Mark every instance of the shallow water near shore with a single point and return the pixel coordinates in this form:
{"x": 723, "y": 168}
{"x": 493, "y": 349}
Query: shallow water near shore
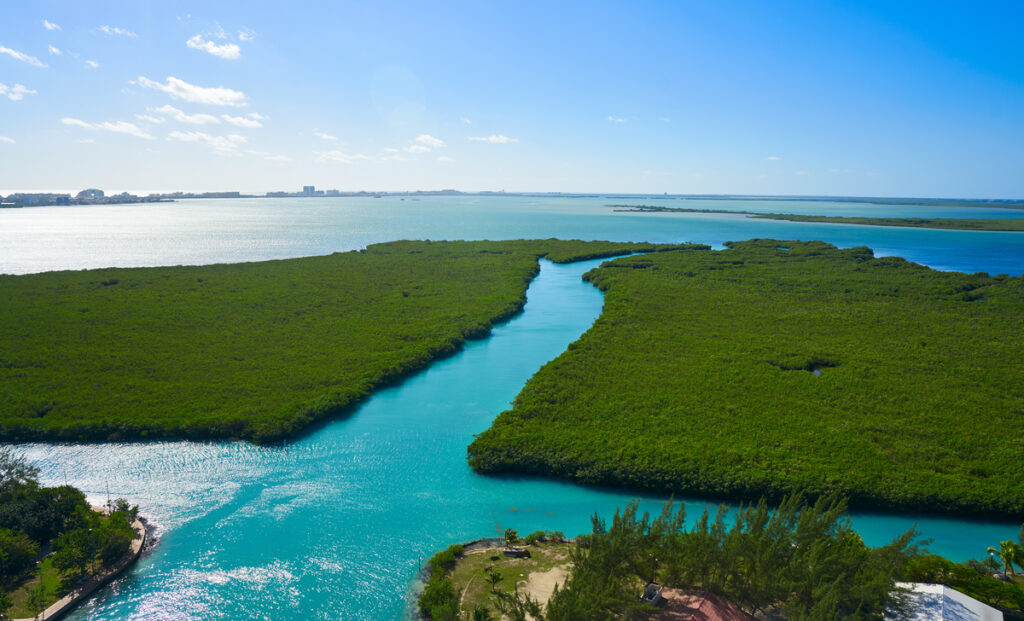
{"x": 334, "y": 524}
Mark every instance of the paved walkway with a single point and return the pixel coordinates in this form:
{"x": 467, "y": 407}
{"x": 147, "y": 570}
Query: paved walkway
{"x": 85, "y": 589}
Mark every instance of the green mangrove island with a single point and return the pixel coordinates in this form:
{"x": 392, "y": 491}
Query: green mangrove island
{"x": 783, "y": 367}
{"x": 959, "y": 224}
{"x": 251, "y": 350}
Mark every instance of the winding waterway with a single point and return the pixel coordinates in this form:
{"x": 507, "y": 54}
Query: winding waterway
{"x": 333, "y": 525}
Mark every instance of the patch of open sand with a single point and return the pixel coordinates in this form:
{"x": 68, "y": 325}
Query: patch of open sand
{"x": 542, "y": 584}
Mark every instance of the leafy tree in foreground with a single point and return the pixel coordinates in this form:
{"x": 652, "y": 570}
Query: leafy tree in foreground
{"x": 1009, "y": 552}
{"x": 801, "y": 559}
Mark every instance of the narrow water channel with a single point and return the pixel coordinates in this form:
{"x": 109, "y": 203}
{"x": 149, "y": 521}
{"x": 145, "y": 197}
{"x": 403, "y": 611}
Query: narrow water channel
{"x": 334, "y": 525}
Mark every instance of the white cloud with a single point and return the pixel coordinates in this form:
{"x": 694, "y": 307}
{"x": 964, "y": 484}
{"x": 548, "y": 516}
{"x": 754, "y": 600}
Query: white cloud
{"x": 150, "y": 119}
{"x": 117, "y": 127}
{"x": 113, "y": 30}
{"x": 773, "y": 158}
{"x": 179, "y": 89}
{"x": 324, "y": 136}
{"x": 494, "y": 139}
{"x": 25, "y": 58}
{"x": 6, "y": 139}
{"x": 258, "y": 117}
{"x": 465, "y": 120}
{"x": 417, "y": 148}
{"x": 91, "y": 64}
{"x": 430, "y": 141}
{"x": 339, "y": 157}
{"x": 15, "y": 93}
{"x": 229, "y": 51}
{"x": 181, "y": 117}
{"x": 50, "y": 25}
{"x": 615, "y": 119}
{"x": 246, "y": 35}
{"x": 54, "y": 50}
{"x": 222, "y": 145}
{"x": 241, "y": 121}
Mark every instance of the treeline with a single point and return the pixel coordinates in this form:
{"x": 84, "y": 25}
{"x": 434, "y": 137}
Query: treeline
{"x": 778, "y": 367}
{"x": 798, "y": 561}
{"x": 34, "y": 519}
{"x": 251, "y": 350}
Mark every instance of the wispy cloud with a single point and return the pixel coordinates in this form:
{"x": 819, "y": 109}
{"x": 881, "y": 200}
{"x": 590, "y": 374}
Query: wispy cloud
{"x": 182, "y": 117}
{"x": 54, "y": 50}
{"x": 16, "y": 92}
{"x": 465, "y": 120}
{"x": 616, "y": 119}
{"x": 430, "y": 141}
{"x": 773, "y": 158}
{"x": 417, "y": 148}
{"x": 150, "y": 119}
{"x": 324, "y": 136}
{"x": 229, "y": 51}
{"x": 179, "y": 89}
{"x": 339, "y": 157}
{"x": 91, "y": 64}
{"x": 494, "y": 139}
{"x": 50, "y": 25}
{"x": 25, "y": 58}
{"x": 270, "y": 157}
{"x": 115, "y": 31}
{"x": 246, "y": 35}
{"x": 7, "y": 140}
{"x": 222, "y": 145}
{"x": 241, "y": 121}
{"x": 117, "y": 127}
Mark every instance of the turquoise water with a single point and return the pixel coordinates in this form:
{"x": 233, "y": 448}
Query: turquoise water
{"x": 211, "y": 231}
{"x": 333, "y": 525}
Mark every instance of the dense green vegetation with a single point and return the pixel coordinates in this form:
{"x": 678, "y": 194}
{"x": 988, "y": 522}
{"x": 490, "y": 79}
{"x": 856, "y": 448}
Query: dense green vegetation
{"x": 35, "y": 519}
{"x": 974, "y": 578}
{"x": 253, "y": 350}
{"x": 962, "y": 224}
{"x": 701, "y": 377}
{"x": 439, "y": 600}
{"x": 798, "y": 561}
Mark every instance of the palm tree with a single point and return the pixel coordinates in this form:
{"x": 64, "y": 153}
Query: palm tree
{"x": 1009, "y": 552}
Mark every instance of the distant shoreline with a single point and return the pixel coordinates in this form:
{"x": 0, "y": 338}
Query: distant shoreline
{"x": 45, "y": 199}
{"x": 956, "y": 224}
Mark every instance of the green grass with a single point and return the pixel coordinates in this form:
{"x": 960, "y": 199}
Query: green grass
{"x": 961, "y": 224}
{"x": 469, "y": 578}
{"x": 697, "y": 379}
{"x": 251, "y": 350}
{"x": 53, "y": 589}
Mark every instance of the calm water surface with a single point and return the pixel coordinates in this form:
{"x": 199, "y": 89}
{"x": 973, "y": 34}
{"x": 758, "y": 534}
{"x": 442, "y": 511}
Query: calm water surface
{"x": 333, "y": 525}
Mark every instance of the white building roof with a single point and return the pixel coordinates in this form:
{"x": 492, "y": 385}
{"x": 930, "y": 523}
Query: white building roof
{"x": 937, "y": 602}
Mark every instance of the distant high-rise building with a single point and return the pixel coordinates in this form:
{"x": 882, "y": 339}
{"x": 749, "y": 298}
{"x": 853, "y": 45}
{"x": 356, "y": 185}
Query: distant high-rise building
{"x": 309, "y": 190}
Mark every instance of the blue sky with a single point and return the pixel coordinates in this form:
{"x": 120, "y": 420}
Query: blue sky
{"x": 853, "y": 98}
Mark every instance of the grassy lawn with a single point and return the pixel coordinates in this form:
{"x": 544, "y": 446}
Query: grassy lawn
{"x": 471, "y": 572}
{"x": 53, "y": 589}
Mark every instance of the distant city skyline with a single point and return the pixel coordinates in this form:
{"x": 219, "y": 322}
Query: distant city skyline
{"x": 825, "y": 98}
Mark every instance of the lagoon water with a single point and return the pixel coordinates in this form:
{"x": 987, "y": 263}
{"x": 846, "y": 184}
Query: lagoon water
{"x": 333, "y": 525}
